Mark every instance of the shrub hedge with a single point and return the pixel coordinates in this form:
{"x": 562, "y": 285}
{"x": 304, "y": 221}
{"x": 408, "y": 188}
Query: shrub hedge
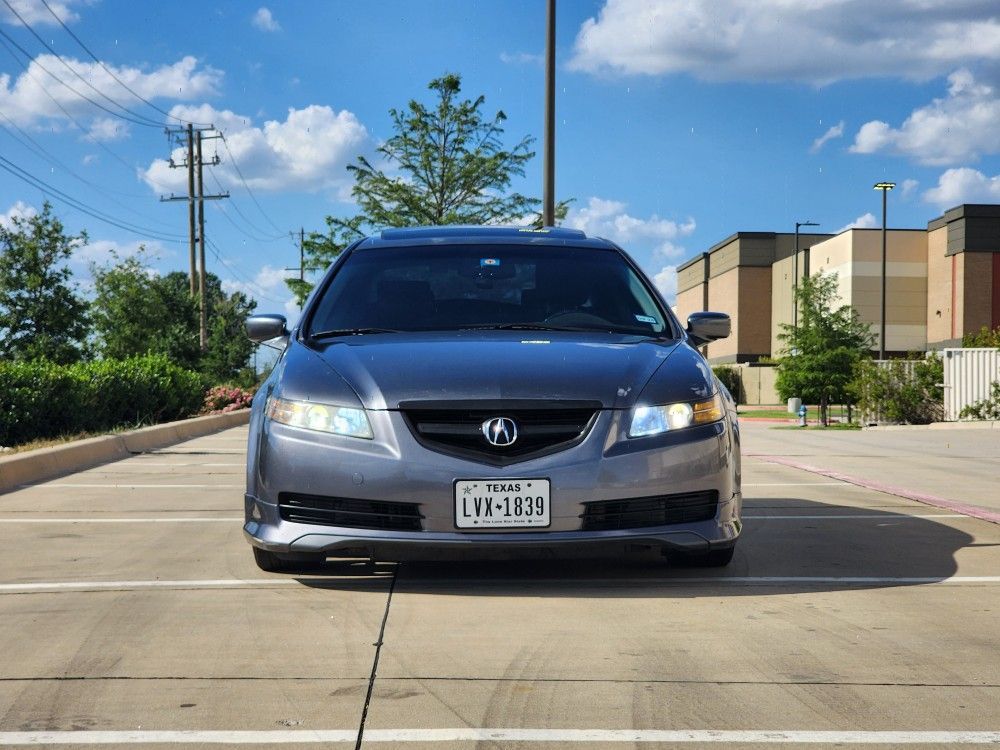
{"x": 40, "y": 399}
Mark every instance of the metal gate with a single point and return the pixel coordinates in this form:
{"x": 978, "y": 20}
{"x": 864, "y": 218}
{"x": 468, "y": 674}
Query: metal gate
{"x": 968, "y": 375}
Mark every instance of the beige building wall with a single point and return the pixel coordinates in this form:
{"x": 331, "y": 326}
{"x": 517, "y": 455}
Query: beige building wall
{"x": 783, "y": 281}
{"x": 689, "y": 301}
{"x": 941, "y": 327}
{"x": 977, "y": 292}
{"x": 723, "y": 296}
{"x": 754, "y": 312}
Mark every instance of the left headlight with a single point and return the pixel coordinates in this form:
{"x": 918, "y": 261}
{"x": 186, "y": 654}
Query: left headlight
{"x": 652, "y": 420}
{"x": 339, "y": 420}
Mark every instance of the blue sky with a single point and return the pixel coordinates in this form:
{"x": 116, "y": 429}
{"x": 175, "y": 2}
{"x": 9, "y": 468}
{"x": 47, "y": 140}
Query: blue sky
{"x": 679, "y": 122}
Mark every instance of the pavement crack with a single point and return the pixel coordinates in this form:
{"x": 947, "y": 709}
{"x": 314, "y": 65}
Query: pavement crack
{"x": 378, "y": 652}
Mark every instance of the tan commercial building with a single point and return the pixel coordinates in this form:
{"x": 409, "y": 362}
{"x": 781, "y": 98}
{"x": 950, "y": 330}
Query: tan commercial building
{"x": 941, "y": 282}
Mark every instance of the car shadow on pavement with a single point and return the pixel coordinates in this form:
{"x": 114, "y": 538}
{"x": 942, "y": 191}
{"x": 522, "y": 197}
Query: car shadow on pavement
{"x": 788, "y": 544}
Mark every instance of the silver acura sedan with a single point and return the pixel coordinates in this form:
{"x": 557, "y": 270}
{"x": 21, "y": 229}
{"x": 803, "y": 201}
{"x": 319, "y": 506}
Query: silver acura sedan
{"x": 484, "y": 391}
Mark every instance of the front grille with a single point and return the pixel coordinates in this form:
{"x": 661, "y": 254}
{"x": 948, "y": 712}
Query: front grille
{"x": 343, "y": 511}
{"x": 640, "y": 512}
{"x": 542, "y": 428}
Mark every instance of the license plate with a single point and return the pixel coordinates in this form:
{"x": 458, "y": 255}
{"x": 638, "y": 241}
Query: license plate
{"x": 501, "y": 503}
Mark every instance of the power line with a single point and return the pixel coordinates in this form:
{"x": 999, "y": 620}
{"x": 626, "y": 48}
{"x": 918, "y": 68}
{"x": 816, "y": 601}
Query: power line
{"x": 144, "y": 122}
{"x": 264, "y": 236}
{"x": 239, "y": 172}
{"x": 66, "y": 113}
{"x": 108, "y": 70}
{"x": 46, "y": 188}
{"x": 234, "y": 269}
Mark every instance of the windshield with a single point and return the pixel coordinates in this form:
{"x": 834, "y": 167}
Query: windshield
{"x": 455, "y": 287}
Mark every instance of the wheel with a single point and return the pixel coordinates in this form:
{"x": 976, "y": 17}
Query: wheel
{"x": 274, "y": 563}
{"x": 714, "y": 558}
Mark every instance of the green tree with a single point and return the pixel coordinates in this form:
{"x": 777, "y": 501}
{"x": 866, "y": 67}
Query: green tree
{"x": 137, "y": 311}
{"x": 821, "y": 353}
{"x": 41, "y": 315}
{"x": 444, "y": 164}
{"x": 984, "y": 338}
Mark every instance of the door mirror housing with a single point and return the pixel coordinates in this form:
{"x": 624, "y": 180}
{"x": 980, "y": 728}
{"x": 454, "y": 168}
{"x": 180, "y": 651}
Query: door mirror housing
{"x": 261, "y": 328}
{"x": 708, "y": 326}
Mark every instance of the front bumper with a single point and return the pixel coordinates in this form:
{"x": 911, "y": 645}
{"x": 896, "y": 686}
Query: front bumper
{"x": 602, "y": 467}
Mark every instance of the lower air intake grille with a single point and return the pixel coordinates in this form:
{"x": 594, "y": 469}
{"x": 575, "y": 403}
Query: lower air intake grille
{"x": 640, "y": 512}
{"x": 348, "y": 512}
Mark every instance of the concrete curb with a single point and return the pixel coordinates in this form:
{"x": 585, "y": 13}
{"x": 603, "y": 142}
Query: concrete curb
{"x": 47, "y": 463}
{"x": 978, "y": 425}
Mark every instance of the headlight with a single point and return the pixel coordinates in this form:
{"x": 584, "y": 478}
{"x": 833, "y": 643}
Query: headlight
{"x": 339, "y": 420}
{"x": 652, "y": 420}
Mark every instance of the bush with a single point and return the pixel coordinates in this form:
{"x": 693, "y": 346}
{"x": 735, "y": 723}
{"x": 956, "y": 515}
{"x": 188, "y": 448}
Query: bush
{"x": 983, "y": 338}
{"x": 988, "y": 408}
{"x": 905, "y": 391}
{"x": 730, "y": 378}
{"x": 224, "y": 398}
{"x": 40, "y": 399}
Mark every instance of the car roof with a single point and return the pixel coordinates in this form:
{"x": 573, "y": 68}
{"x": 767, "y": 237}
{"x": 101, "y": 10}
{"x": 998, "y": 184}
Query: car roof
{"x": 461, "y": 234}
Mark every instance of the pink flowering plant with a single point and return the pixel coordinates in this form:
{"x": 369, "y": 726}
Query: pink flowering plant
{"x": 225, "y": 398}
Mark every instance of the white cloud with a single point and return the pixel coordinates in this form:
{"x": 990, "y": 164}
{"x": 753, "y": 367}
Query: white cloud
{"x": 103, "y": 251}
{"x": 28, "y": 99}
{"x": 606, "y": 218}
{"x": 268, "y": 288}
{"x": 818, "y": 41}
{"x": 865, "y": 221}
{"x": 958, "y": 128}
{"x": 309, "y": 150}
{"x": 264, "y": 21}
{"x": 20, "y": 210}
{"x": 908, "y": 187}
{"x": 33, "y": 12}
{"x": 666, "y": 282}
{"x": 836, "y": 131}
{"x": 964, "y": 185}
{"x": 521, "y": 58}
{"x": 107, "y": 129}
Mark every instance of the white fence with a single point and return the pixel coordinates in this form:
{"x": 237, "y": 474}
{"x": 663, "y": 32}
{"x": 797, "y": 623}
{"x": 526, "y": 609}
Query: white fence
{"x": 968, "y": 375}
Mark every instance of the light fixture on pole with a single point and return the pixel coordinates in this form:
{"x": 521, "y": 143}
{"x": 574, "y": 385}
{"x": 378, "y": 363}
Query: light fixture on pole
{"x": 885, "y": 187}
{"x": 795, "y": 280}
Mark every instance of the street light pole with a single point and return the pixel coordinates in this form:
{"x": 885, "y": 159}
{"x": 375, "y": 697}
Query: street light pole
{"x": 795, "y": 280}
{"x": 549, "y": 159}
{"x": 885, "y": 187}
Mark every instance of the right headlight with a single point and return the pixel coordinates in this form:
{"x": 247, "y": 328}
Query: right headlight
{"x": 338, "y": 420}
{"x": 653, "y": 420}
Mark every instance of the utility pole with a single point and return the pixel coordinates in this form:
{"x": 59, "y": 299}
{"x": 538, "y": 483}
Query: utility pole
{"x": 196, "y": 233}
{"x": 885, "y": 187}
{"x": 549, "y": 165}
{"x": 302, "y": 268}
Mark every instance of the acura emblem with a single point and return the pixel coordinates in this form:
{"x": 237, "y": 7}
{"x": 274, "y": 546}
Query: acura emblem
{"x": 500, "y": 431}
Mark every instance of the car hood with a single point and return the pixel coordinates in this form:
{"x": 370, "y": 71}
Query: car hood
{"x": 387, "y": 369}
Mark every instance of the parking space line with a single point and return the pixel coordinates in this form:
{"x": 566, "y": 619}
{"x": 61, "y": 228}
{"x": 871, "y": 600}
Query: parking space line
{"x": 858, "y": 516}
{"x": 222, "y": 583}
{"x": 471, "y": 734}
{"x": 795, "y": 484}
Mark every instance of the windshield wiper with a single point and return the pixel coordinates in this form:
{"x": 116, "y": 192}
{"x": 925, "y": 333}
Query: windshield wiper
{"x": 334, "y": 332}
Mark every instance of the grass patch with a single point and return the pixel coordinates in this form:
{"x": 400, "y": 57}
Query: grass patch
{"x": 831, "y": 426}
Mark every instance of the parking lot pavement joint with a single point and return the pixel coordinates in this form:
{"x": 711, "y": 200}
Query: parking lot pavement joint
{"x": 378, "y": 652}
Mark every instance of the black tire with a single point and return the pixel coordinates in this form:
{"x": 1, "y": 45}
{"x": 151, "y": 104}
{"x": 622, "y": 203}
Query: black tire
{"x": 715, "y": 558}
{"x": 274, "y": 563}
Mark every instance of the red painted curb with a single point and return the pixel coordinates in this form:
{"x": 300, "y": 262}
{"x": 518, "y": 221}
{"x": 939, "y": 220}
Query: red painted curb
{"x": 920, "y": 497}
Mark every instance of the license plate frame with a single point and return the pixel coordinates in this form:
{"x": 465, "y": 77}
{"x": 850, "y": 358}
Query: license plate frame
{"x": 470, "y": 517}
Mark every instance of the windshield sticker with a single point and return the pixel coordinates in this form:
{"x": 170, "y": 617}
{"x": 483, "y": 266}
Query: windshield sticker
{"x": 646, "y": 319}
{"x": 484, "y": 262}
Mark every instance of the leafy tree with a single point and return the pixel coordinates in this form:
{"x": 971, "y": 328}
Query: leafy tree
{"x": 136, "y": 312}
{"x": 822, "y": 352}
{"x": 41, "y": 315}
{"x": 984, "y": 338}
{"x": 907, "y": 391}
{"x": 444, "y": 164}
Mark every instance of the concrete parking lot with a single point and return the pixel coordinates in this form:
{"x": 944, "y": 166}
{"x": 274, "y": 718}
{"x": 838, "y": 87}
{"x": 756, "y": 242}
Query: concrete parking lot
{"x": 131, "y": 614}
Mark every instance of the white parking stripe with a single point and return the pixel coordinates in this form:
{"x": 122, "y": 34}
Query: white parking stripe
{"x": 796, "y": 484}
{"x": 843, "y": 516}
{"x": 465, "y": 734}
{"x": 206, "y": 583}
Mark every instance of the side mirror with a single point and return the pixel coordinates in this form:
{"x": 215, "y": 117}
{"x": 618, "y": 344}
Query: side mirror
{"x": 708, "y": 326}
{"x": 261, "y": 328}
